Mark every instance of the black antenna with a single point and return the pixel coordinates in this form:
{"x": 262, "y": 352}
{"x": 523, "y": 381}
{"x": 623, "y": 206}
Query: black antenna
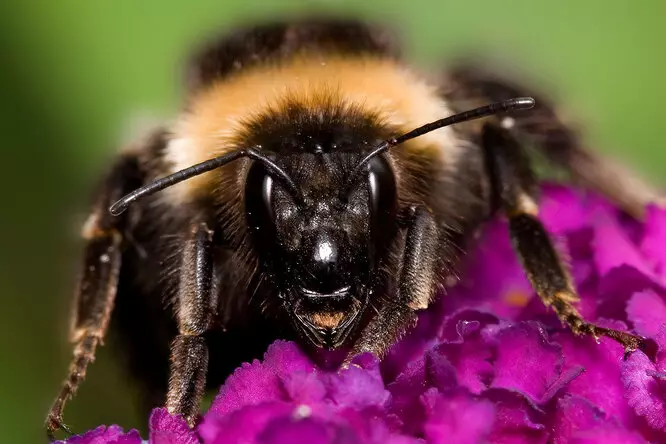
{"x": 203, "y": 167}
{"x": 516, "y": 104}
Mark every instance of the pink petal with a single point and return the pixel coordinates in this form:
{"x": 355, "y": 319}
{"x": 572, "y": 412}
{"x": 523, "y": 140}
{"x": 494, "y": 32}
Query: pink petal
{"x": 105, "y": 435}
{"x": 572, "y": 415}
{"x": 168, "y": 429}
{"x": 458, "y": 418}
{"x": 517, "y": 421}
{"x": 653, "y": 244}
{"x": 647, "y": 311}
{"x": 645, "y": 389}
{"x": 262, "y": 381}
{"x": 613, "y": 248}
{"x": 600, "y": 383}
{"x": 525, "y": 360}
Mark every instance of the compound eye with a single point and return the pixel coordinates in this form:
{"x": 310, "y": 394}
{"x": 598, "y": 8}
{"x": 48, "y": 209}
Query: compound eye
{"x": 259, "y": 204}
{"x": 382, "y": 189}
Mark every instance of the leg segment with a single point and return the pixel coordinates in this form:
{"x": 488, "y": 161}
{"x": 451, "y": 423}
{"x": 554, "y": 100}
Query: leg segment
{"x": 516, "y": 190}
{"x": 97, "y": 285}
{"x": 471, "y": 84}
{"x": 419, "y": 274}
{"x": 197, "y": 305}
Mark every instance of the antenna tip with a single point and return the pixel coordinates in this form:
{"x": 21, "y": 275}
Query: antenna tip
{"x": 522, "y": 103}
{"x": 118, "y": 208}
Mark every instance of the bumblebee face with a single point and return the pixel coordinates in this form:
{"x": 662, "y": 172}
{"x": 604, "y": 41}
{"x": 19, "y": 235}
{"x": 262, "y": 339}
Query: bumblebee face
{"x": 322, "y": 251}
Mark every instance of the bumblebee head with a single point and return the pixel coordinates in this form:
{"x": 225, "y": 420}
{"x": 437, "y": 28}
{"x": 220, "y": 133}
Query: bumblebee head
{"x": 320, "y": 246}
{"x": 320, "y": 205}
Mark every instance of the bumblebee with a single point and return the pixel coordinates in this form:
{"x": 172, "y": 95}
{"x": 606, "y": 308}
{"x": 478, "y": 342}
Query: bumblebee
{"x": 316, "y": 187}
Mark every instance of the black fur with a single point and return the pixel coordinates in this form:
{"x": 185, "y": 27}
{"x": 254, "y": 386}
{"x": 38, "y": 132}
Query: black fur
{"x": 272, "y": 42}
{"x": 327, "y": 126}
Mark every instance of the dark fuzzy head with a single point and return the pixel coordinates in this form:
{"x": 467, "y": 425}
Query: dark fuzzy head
{"x": 322, "y": 254}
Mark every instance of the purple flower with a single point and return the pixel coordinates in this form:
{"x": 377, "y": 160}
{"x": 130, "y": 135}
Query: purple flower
{"x": 486, "y": 363}
{"x": 106, "y": 435}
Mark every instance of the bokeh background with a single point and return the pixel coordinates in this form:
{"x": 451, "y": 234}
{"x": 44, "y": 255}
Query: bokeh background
{"x": 76, "y": 76}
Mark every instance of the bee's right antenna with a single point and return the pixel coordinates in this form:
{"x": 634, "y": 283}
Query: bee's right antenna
{"x": 519, "y": 103}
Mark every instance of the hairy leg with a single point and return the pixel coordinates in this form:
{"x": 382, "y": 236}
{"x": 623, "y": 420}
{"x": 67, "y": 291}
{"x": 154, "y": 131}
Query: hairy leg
{"x": 419, "y": 275}
{"x": 516, "y": 190}
{"x": 196, "y": 309}
{"x": 96, "y": 290}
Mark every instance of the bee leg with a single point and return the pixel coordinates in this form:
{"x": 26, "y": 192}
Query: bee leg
{"x": 558, "y": 140}
{"x": 419, "y": 271}
{"x": 196, "y": 307}
{"x": 516, "y": 188}
{"x": 96, "y": 290}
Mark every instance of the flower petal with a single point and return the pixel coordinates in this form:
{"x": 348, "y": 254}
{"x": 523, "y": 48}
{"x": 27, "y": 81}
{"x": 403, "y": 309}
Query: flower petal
{"x": 306, "y": 431}
{"x": 525, "y": 360}
{"x": 469, "y": 353}
{"x": 457, "y": 418}
{"x": 517, "y": 420}
{"x": 600, "y": 383}
{"x": 608, "y": 435}
{"x": 260, "y": 382}
{"x": 357, "y": 387}
{"x": 645, "y": 389}
{"x": 112, "y": 434}
{"x": 494, "y": 280}
{"x": 654, "y": 239}
{"x": 647, "y": 311}
{"x": 616, "y": 287}
{"x": 565, "y": 210}
{"x": 168, "y": 429}
{"x": 613, "y": 248}
{"x": 573, "y": 414}
{"x": 432, "y": 371}
{"x": 242, "y": 425}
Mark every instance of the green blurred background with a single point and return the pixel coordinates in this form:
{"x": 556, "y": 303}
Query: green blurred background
{"x": 75, "y": 74}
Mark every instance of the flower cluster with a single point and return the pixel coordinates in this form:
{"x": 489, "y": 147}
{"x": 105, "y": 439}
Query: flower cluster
{"x": 487, "y": 363}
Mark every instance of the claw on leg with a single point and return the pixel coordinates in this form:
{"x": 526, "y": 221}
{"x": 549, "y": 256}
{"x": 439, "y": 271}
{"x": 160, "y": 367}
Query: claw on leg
{"x": 54, "y": 421}
{"x": 630, "y": 342}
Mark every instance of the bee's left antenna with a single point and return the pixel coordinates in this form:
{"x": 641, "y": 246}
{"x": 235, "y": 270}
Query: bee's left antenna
{"x": 179, "y": 176}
